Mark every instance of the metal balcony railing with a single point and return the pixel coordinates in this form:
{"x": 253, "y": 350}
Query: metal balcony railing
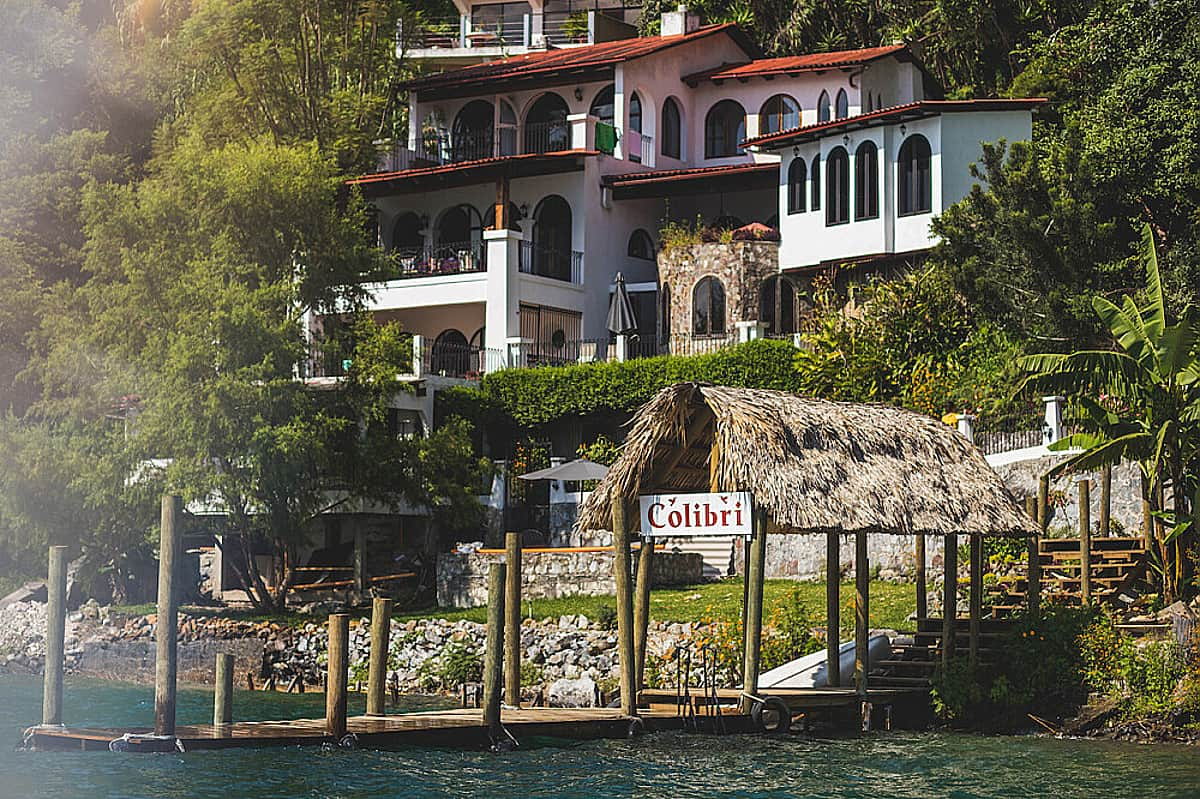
{"x": 445, "y": 258}
{"x": 546, "y": 137}
{"x": 566, "y": 265}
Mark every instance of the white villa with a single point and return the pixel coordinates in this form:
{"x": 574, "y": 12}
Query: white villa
{"x": 528, "y": 182}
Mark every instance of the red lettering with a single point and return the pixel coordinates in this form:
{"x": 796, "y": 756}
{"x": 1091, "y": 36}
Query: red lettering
{"x": 725, "y": 517}
{"x": 710, "y": 518}
{"x": 675, "y": 519}
{"x": 651, "y": 513}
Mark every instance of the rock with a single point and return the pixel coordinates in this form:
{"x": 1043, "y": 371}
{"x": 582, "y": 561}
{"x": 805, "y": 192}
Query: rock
{"x": 579, "y": 692}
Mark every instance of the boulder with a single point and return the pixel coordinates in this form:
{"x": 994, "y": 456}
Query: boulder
{"x": 579, "y": 692}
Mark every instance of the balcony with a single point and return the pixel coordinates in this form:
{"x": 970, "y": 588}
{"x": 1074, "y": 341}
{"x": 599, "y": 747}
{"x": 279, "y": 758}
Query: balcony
{"x": 565, "y": 265}
{"x": 446, "y": 258}
{"x": 494, "y": 29}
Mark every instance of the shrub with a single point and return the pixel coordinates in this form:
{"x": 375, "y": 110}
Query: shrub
{"x": 458, "y": 662}
{"x": 607, "y": 617}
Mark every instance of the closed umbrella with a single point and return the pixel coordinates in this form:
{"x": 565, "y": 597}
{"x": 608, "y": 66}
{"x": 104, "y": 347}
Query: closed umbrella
{"x": 621, "y": 319}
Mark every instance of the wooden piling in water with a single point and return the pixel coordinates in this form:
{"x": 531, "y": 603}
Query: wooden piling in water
{"x": 622, "y": 577}
{"x": 381, "y": 628}
{"x": 336, "y": 677}
{"x": 862, "y": 612}
{"x": 641, "y": 607}
{"x": 921, "y": 578}
{"x": 493, "y": 660}
{"x": 755, "y": 566}
{"x": 512, "y": 619}
{"x": 56, "y": 632}
{"x": 166, "y": 626}
{"x": 1085, "y": 542}
{"x": 976, "y": 597}
{"x": 949, "y": 596}
{"x": 833, "y": 611}
{"x": 223, "y": 690}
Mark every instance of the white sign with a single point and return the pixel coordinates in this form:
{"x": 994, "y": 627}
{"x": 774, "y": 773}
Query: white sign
{"x": 695, "y": 514}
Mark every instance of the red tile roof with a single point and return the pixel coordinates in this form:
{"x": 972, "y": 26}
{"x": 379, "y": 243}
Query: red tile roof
{"x": 465, "y": 173}
{"x": 697, "y": 180}
{"x": 667, "y": 175}
{"x": 884, "y": 116}
{"x": 787, "y": 65}
{"x": 554, "y": 63}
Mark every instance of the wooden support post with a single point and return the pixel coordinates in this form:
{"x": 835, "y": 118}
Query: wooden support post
{"x": 223, "y": 690}
{"x": 361, "y": 583}
{"x": 56, "y": 632}
{"x": 1085, "y": 542}
{"x": 922, "y": 581}
{"x": 493, "y": 660}
{"x": 335, "y": 675}
{"x": 949, "y": 596}
{"x": 623, "y": 577}
{"x": 1033, "y": 574}
{"x": 1031, "y": 507}
{"x": 833, "y": 611}
{"x": 755, "y": 566}
{"x": 381, "y": 628}
{"x": 166, "y": 627}
{"x": 1106, "y": 501}
{"x": 1147, "y": 514}
{"x": 502, "y": 219}
{"x": 641, "y": 607}
{"x": 976, "y": 596}
{"x": 862, "y": 612}
{"x": 512, "y": 619}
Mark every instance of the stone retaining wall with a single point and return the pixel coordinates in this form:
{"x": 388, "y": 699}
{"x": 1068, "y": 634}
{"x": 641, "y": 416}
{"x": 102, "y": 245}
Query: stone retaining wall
{"x": 549, "y": 574}
{"x": 1022, "y": 479}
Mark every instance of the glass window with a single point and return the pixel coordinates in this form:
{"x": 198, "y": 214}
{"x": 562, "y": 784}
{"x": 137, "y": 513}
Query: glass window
{"x": 916, "y": 181}
{"x": 816, "y": 183}
{"x": 778, "y": 113}
{"x": 635, "y": 112}
{"x": 797, "y": 175}
{"x": 866, "y": 181}
{"x": 671, "y": 129}
{"x": 724, "y": 129}
{"x": 708, "y": 307}
{"x": 823, "y": 114}
{"x": 641, "y": 245}
{"x": 602, "y": 105}
{"x": 777, "y": 306}
{"x": 837, "y": 187}
{"x": 843, "y": 104}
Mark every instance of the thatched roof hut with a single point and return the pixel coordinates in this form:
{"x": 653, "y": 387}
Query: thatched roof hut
{"x": 816, "y": 466}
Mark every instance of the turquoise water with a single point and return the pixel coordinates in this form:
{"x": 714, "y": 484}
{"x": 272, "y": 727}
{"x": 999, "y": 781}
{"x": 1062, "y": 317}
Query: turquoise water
{"x": 665, "y": 765}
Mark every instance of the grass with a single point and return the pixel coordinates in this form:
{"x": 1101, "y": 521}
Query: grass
{"x": 891, "y": 604}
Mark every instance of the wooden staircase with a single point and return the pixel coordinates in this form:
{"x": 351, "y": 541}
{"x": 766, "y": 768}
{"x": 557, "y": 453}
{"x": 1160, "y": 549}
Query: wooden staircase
{"x": 912, "y": 665}
{"x": 1117, "y": 564}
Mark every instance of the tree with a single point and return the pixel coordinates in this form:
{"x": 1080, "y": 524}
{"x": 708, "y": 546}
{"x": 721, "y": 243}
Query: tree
{"x": 1142, "y": 400}
{"x": 198, "y": 279}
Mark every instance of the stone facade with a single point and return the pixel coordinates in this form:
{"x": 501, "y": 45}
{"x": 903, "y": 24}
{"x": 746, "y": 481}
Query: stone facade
{"x": 802, "y": 557}
{"x": 741, "y": 266}
{"x": 549, "y": 574}
{"x": 1126, "y": 508}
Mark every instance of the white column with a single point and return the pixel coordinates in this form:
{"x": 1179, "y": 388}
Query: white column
{"x": 583, "y": 131}
{"x": 502, "y": 319}
{"x": 966, "y": 426}
{"x": 749, "y": 331}
{"x": 1052, "y": 427}
{"x": 418, "y": 355}
{"x": 622, "y": 347}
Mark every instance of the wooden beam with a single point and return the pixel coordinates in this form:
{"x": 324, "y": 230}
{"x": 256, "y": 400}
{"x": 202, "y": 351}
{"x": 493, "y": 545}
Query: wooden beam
{"x": 833, "y": 611}
{"x": 976, "y": 596}
{"x": 714, "y": 465}
{"x": 1033, "y": 574}
{"x": 512, "y": 620}
{"x": 641, "y": 608}
{"x": 622, "y": 577}
{"x": 1105, "y": 501}
{"x": 56, "y": 632}
{"x": 862, "y": 612}
{"x": 949, "y": 596}
{"x": 696, "y": 429}
{"x": 166, "y": 627}
{"x": 1085, "y": 541}
{"x": 381, "y": 624}
{"x": 502, "y": 220}
{"x": 336, "y": 676}
{"x": 920, "y": 576}
{"x": 493, "y": 662}
{"x": 755, "y": 567}
{"x": 223, "y": 690}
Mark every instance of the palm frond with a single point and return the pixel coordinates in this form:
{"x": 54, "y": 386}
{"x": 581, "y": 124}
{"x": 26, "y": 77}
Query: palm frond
{"x": 1081, "y": 372}
{"x": 1110, "y": 453}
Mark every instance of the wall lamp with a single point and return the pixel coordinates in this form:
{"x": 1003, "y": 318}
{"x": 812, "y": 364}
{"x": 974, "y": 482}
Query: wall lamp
{"x": 578, "y": 92}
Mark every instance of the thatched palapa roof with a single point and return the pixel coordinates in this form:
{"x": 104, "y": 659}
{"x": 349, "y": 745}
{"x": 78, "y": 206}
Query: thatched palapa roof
{"x": 814, "y": 465}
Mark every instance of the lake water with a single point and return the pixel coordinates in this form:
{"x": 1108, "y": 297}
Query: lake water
{"x": 923, "y": 765}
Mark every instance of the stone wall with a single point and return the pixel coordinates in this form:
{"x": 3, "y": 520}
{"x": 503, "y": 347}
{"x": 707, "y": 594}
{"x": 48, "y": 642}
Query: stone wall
{"x": 549, "y": 574}
{"x": 741, "y": 266}
{"x": 802, "y": 557}
{"x": 1126, "y": 508}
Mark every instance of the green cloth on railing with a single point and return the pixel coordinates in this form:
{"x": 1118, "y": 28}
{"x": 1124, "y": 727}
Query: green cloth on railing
{"x": 606, "y": 138}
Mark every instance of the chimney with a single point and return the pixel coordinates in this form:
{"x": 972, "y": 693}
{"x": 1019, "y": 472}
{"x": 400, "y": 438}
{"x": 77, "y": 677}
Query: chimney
{"x": 679, "y": 22}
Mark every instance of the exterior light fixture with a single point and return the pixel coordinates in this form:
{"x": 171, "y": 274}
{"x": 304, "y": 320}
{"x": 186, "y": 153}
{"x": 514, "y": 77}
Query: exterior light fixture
{"x": 523, "y": 208}
{"x": 578, "y": 93}
{"x": 903, "y": 129}
{"x": 846, "y": 140}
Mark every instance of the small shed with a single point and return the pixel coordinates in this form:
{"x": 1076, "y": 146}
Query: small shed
{"x": 813, "y": 467}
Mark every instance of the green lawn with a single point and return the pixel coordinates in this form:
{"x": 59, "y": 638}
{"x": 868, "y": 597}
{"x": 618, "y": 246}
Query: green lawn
{"x": 891, "y": 604}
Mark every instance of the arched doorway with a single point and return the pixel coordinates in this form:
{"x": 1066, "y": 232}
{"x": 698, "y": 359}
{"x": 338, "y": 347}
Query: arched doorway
{"x": 777, "y": 306}
{"x": 473, "y": 135}
{"x": 459, "y": 242}
{"x": 546, "y": 129}
{"x": 552, "y": 238}
{"x": 408, "y": 234}
{"x": 451, "y": 354}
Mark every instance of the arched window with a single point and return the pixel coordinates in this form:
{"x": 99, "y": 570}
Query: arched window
{"x": 641, "y": 245}
{"x": 508, "y": 129}
{"x": 823, "y": 108}
{"x": 635, "y": 125}
{"x": 796, "y": 190}
{"x": 916, "y": 181}
{"x": 708, "y": 308}
{"x": 664, "y": 315}
{"x": 546, "y": 129}
{"x": 777, "y": 305}
{"x": 724, "y": 129}
{"x": 778, "y": 113}
{"x": 842, "y": 109}
{"x": 552, "y": 238}
{"x": 408, "y": 237}
{"x": 603, "y": 104}
{"x": 451, "y": 354}
{"x": 458, "y": 245}
{"x": 672, "y": 128}
{"x": 472, "y": 135}
{"x": 514, "y": 214}
{"x": 837, "y": 187}
{"x": 816, "y": 183}
{"x": 866, "y": 181}
{"x": 459, "y": 225}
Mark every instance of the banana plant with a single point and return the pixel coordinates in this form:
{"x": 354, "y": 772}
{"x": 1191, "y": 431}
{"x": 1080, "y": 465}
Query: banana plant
{"x": 1141, "y": 402}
